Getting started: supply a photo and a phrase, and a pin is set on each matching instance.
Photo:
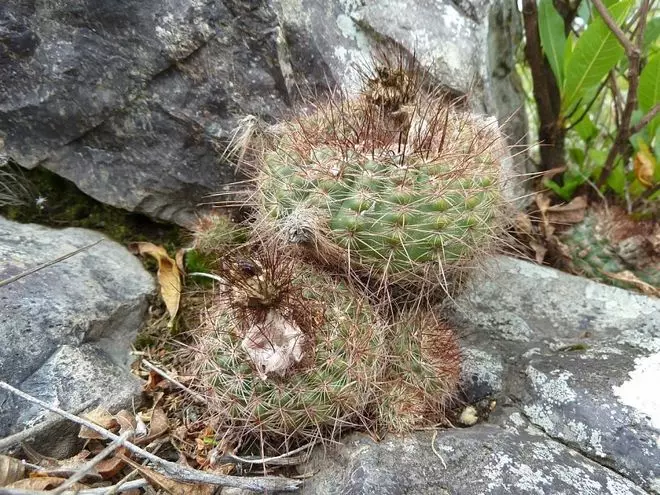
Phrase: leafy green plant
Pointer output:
(595, 68)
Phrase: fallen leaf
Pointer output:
(162, 482)
(159, 425)
(43, 483)
(644, 165)
(630, 278)
(10, 470)
(539, 251)
(101, 417)
(169, 276)
(109, 468)
(273, 345)
(180, 258)
(126, 421)
(568, 214)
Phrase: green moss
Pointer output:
(66, 206)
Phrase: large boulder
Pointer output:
(135, 101)
(485, 459)
(66, 331)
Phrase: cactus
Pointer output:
(423, 374)
(289, 353)
(322, 386)
(400, 184)
(611, 247)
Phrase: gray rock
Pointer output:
(484, 459)
(522, 305)
(67, 66)
(482, 373)
(135, 103)
(603, 402)
(96, 299)
(70, 378)
(468, 46)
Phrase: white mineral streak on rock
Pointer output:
(641, 391)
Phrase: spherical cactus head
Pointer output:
(423, 376)
(610, 246)
(402, 186)
(285, 361)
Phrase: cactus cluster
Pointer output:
(397, 184)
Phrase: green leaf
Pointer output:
(596, 52)
(597, 158)
(551, 29)
(577, 155)
(651, 33)
(568, 49)
(586, 129)
(566, 191)
(648, 91)
(617, 179)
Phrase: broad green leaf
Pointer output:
(651, 33)
(551, 29)
(568, 49)
(566, 191)
(577, 155)
(586, 129)
(648, 91)
(617, 179)
(596, 52)
(597, 161)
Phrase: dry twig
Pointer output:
(10, 280)
(131, 485)
(12, 440)
(88, 466)
(170, 379)
(174, 471)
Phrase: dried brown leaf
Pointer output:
(43, 483)
(539, 251)
(180, 258)
(630, 278)
(126, 421)
(10, 470)
(162, 482)
(645, 167)
(101, 417)
(169, 276)
(109, 468)
(568, 214)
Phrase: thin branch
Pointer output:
(9, 280)
(621, 146)
(646, 119)
(162, 373)
(131, 485)
(173, 470)
(88, 466)
(616, 30)
(8, 442)
(270, 460)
